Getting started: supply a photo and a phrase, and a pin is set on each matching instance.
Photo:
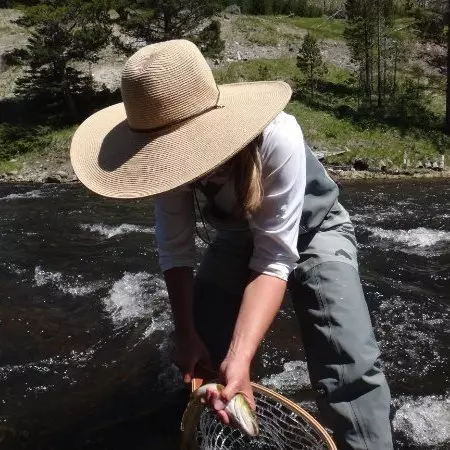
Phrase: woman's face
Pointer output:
(220, 172)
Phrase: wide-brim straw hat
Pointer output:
(175, 123)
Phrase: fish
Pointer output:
(238, 409)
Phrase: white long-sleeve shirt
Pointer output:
(275, 226)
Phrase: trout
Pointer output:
(238, 409)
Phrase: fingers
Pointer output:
(213, 400)
(198, 368)
(229, 392)
(189, 354)
(187, 377)
(188, 371)
(223, 416)
(186, 368)
(232, 389)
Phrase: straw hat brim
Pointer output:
(114, 161)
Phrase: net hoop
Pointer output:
(299, 429)
(297, 410)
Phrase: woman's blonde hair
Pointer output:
(246, 170)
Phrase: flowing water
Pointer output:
(85, 323)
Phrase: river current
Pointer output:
(85, 322)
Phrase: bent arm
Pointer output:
(180, 282)
(175, 238)
(261, 301)
(175, 223)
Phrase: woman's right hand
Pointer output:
(189, 352)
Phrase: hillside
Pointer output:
(265, 47)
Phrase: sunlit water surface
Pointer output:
(85, 322)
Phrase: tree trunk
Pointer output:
(447, 115)
(379, 75)
(385, 67)
(60, 74)
(394, 86)
(167, 19)
(368, 67)
(68, 98)
(360, 86)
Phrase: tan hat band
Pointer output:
(177, 122)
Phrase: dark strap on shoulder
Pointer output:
(210, 190)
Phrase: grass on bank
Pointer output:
(274, 30)
(330, 133)
(18, 142)
(321, 27)
(324, 127)
(257, 70)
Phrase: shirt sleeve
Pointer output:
(174, 214)
(275, 225)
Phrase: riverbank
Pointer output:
(397, 174)
(51, 168)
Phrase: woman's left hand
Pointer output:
(234, 374)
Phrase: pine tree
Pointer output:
(360, 36)
(209, 40)
(309, 60)
(150, 21)
(368, 34)
(62, 33)
(447, 108)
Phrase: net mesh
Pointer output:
(280, 428)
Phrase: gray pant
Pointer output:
(327, 296)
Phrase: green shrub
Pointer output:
(16, 140)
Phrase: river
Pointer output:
(85, 323)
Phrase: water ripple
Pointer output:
(424, 421)
(135, 296)
(417, 237)
(36, 193)
(66, 284)
(294, 377)
(110, 231)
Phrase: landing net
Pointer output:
(282, 425)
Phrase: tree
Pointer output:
(150, 21)
(62, 33)
(360, 36)
(447, 107)
(429, 24)
(309, 60)
(209, 40)
(368, 34)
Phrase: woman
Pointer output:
(279, 224)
